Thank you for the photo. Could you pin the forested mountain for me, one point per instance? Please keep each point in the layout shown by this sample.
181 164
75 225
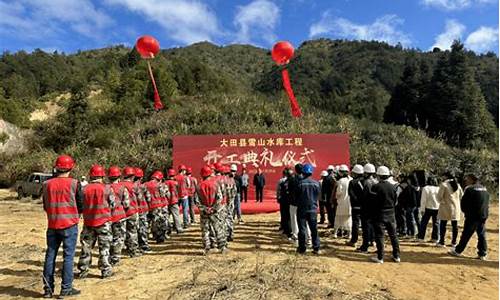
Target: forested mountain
350 86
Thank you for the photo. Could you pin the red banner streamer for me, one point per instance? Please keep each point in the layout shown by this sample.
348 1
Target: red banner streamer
157 101
296 112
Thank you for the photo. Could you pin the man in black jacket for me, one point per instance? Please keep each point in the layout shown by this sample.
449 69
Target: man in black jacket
383 215
355 195
474 205
366 202
326 193
283 197
259 181
293 187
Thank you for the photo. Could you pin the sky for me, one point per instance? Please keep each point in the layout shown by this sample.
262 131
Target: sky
72 25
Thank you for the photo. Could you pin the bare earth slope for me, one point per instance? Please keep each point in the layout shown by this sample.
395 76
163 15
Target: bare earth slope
261 265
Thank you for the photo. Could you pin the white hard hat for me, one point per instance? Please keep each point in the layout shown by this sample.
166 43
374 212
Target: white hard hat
344 168
369 168
324 173
330 168
358 169
383 171
337 168
234 167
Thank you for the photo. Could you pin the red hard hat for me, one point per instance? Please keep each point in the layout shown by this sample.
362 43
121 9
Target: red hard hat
171 172
211 166
157 175
64 163
182 167
217 166
97 171
189 170
139 173
206 171
128 171
114 171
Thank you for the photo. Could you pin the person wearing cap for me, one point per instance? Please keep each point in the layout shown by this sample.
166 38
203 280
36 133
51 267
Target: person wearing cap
118 214
343 221
212 217
143 207
237 197
322 199
173 199
327 187
259 181
156 194
474 205
355 191
193 183
62 201
183 183
309 192
98 201
383 215
366 207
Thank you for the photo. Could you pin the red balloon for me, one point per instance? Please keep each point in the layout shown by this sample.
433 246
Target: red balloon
147 46
282 52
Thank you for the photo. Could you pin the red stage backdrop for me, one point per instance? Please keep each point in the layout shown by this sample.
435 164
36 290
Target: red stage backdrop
271 152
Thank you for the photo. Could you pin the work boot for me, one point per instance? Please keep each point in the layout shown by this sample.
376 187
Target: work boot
83 274
47 294
106 274
114 261
146 249
69 293
376 260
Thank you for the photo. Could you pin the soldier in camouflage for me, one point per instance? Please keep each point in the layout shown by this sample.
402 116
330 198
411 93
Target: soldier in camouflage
211 209
156 195
132 211
99 200
143 205
230 195
118 215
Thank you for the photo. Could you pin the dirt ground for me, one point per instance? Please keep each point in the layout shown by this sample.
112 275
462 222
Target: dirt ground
260 265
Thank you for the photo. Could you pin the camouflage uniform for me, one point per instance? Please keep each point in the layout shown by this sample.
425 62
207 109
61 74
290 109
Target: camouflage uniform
230 194
131 238
159 221
104 237
89 236
143 226
212 223
119 230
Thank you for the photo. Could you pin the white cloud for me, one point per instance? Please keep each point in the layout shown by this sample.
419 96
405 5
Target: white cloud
185 21
38 19
383 29
453 31
256 20
455 4
482 40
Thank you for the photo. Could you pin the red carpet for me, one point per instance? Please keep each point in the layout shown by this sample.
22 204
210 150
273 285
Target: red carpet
269 205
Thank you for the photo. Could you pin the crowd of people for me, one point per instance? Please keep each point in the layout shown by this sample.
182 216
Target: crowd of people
373 201
121 210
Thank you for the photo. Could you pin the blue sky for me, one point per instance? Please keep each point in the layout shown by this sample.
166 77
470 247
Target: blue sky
70 25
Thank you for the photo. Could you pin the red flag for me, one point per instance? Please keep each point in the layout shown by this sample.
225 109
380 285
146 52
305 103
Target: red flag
157 101
296 112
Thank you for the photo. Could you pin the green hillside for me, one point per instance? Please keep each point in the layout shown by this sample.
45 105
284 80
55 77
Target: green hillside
404 108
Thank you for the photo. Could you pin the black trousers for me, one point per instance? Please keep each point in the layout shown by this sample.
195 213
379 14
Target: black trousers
428 214
244 193
356 221
390 227
259 193
442 231
411 223
367 228
471 226
304 219
401 220
285 218
331 210
322 210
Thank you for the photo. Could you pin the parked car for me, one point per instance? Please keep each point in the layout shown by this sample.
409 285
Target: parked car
32 186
